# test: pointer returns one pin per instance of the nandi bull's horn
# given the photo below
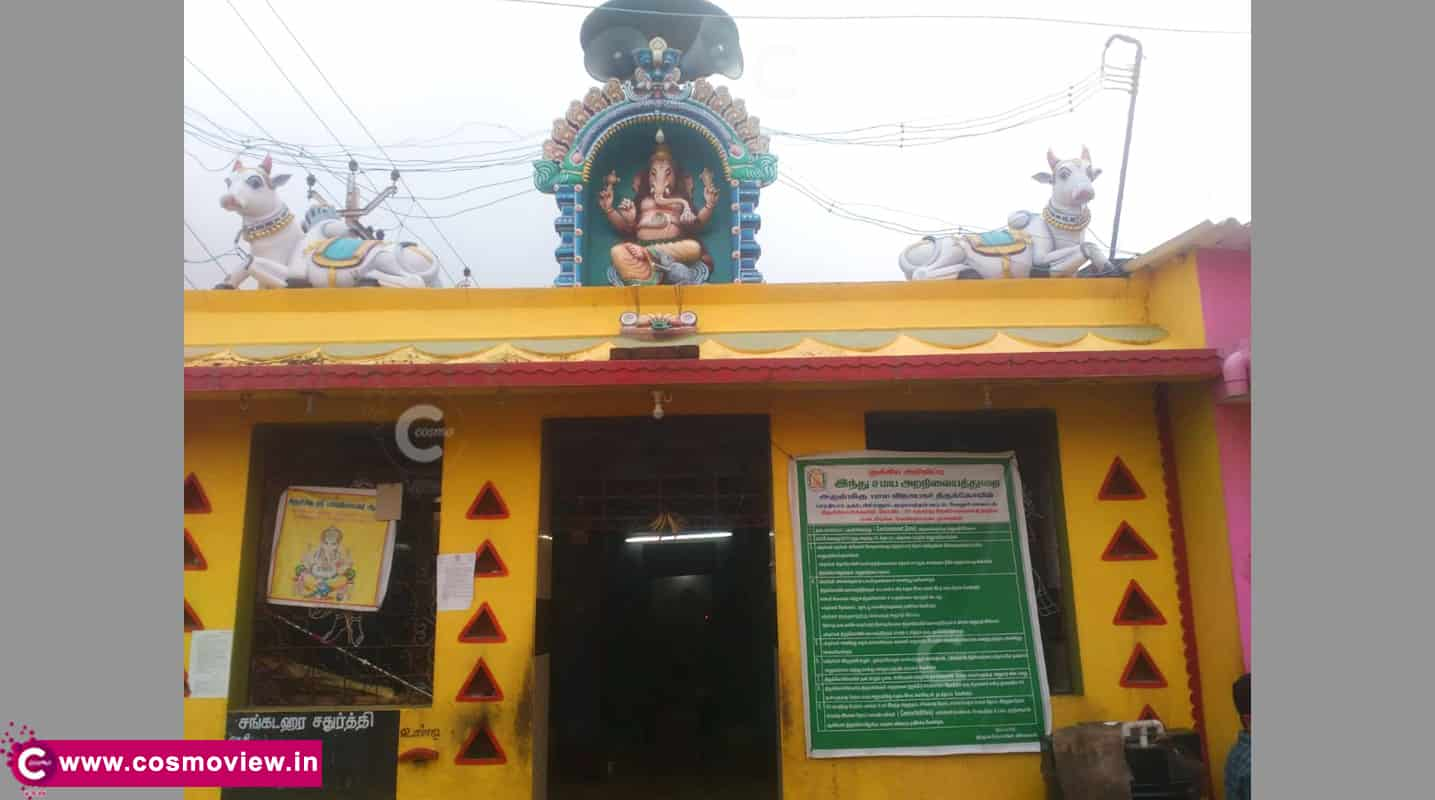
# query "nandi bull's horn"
(267, 164)
(1051, 158)
(1085, 154)
(237, 165)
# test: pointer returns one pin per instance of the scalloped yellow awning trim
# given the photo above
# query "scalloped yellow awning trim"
(721, 345)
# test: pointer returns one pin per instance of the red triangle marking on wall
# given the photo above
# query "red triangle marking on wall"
(488, 504)
(1120, 484)
(195, 500)
(481, 748)
(191, 619)
(1148, 713)
(1137, 609)
(487, 563)
(1141, 671)
(1127, 545)
(483, 628)
(193, 558)
(480, 686)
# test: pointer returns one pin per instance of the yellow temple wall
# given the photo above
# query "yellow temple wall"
(498, 439)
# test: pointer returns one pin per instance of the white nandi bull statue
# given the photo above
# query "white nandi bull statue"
(325, 252)
(1050, 243)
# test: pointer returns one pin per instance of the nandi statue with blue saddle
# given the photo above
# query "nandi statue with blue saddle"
(328, 249)
(1052, 243)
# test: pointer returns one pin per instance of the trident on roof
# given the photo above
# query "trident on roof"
(352, 212)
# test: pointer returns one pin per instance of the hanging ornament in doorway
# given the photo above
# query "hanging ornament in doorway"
(667, 521)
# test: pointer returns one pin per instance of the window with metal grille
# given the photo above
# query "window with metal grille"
(1032, 436)
(323, 657)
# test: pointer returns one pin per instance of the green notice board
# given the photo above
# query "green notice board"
(919, 629)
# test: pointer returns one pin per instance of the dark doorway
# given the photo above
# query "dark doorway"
(662, 628)
(291, 662)
(301, 657)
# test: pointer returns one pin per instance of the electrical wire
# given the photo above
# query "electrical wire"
(472, 189)
(399, 218)
(283, 74)
(203, 166)
(225, 138)
(374, 139)
(914, 133)
(875, 17)
(248, 116)
(909, 135)
(527, 143)
(226, 96)
(1107, 245)
(949, 225)
(314, 111)
(529, 190)
(206, 249)
(216, 259)
(845, 211)
(902, 134)
(841, 211)
(478, 123)
(920, 124)
(345, 149)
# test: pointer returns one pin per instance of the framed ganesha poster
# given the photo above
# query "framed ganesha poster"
(329, 550)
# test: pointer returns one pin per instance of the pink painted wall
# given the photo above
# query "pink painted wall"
(1233, 430)
(1225, 278)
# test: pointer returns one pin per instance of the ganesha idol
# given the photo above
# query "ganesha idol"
(660, 225)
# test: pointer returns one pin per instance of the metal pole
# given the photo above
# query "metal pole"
(1130, 118)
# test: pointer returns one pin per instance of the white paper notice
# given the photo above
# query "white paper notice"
(209, 663)
(455, 581)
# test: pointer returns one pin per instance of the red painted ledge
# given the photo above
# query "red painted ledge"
(1083, 365)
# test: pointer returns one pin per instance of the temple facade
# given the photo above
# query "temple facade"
(665, 529)
(526, 428)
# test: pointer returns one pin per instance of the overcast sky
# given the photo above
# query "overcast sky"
(482, 75)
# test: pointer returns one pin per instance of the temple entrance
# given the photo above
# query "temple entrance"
(659, 639)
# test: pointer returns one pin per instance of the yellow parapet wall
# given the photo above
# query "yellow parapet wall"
(733, 320)
(499, 440)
